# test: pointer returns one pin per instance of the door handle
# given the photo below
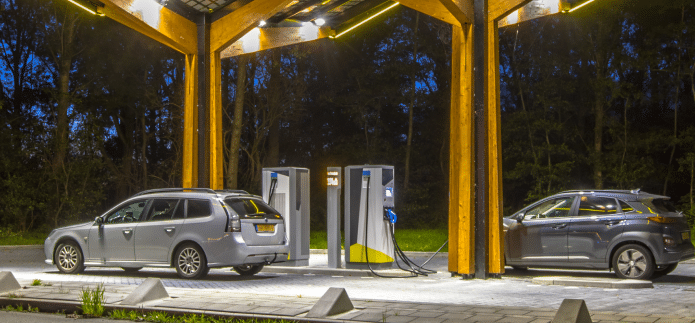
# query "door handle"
(560, 226)
(127, 231)
(169, 230)
(612, 222)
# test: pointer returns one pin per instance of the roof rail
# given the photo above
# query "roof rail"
(232, 191)
(179, 189)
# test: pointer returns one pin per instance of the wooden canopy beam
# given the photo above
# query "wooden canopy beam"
(433, 8)
(461, 9)
(228, 29)
(154, 21)
(260, 39)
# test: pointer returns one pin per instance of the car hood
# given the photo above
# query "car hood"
(77, 226)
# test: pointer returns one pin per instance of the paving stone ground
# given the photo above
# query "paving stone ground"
(436, 298)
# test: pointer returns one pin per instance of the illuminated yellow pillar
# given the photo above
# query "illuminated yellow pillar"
(495, 238)
(190, 124)
(215, 123)
(461, 166)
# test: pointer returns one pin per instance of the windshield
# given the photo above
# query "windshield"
(249, 208)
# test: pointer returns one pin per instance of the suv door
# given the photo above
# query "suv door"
(113, 241)
(597, 223)
(541, 237)
(155, 234)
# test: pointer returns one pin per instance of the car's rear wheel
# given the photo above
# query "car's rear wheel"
(633, 262)
(661, 271)
(248, 270)
(191, 262)
(68, 258)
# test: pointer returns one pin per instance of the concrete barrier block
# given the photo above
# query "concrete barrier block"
(7, 282)
(151, 289)
(572, 311)
(334, 301)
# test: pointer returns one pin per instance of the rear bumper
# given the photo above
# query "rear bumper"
(683, 252)
(233, 251)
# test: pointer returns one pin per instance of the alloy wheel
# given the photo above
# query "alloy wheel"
(189, 261)
(67, 257)
(632, 263)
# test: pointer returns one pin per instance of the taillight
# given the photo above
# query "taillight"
(233, 222)
(661, 219)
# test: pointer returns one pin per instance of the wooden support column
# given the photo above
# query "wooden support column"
(190, 124)
(495, 238)
(461, 165)
(215, 116)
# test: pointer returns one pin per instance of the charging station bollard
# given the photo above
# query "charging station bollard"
(369, 197)
(286, 189)
(334, 184)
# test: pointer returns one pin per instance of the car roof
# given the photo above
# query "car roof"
(194, 192)
(628, 195)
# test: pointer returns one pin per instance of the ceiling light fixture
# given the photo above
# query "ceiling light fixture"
(319, 22)
(368, 19)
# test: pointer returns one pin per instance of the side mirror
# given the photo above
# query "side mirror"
(519, 218)
(98, 221)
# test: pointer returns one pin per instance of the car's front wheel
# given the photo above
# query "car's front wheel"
(191, 262)
(248, 270)
(633, 262)
(68, 258)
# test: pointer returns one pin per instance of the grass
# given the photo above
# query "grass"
(408, 239)
(93, 301)
(36, 282)
(10, 238)
(163, 317)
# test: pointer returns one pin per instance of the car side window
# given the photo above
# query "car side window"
(198, 209)
(626, 208)
(554, 208)
(130, 212)
(162, 209)
(594, 206)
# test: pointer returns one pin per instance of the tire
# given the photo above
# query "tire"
(131, 270)
(68, 258)
(633, 262)
(661, 271)
(248, 270)
(190, 262)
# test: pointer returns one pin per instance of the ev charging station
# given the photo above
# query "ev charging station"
(286, 189)
(369, 203)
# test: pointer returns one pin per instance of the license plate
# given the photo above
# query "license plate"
(685, 235)
(265, 228)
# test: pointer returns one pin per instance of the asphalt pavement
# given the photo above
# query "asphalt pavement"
(282, 292)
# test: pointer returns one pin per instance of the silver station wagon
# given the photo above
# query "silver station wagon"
(192, 230)
(638, 235)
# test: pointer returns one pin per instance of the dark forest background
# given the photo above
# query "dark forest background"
(92, 111)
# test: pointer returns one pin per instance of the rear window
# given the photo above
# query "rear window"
(250, 208)
(659, 206)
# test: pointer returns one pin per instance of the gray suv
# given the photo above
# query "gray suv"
(192, 230)
(638, 235)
